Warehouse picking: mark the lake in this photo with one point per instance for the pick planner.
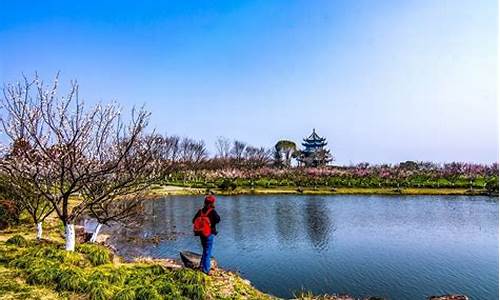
(399, 247)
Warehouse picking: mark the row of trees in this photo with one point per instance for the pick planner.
(405, 174)
(234, 154)
(190, 154)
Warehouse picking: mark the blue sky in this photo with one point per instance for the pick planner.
(383, 81)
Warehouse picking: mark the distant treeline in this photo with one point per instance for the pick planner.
(239, 164)
(445, 176)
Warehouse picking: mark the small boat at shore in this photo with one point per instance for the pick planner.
(192, 259)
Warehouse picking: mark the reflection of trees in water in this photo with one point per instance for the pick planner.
(317, 221)
(287, 221)
(153, 217)
(168, 218)
(236, 219)
(159, 217)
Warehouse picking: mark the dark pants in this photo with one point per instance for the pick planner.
(207, 244)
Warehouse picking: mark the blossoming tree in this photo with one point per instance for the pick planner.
(89, 156)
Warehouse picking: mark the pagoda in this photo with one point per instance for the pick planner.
(314, 153)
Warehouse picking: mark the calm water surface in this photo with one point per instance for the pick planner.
(399, 247)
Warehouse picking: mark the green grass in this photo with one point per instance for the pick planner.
(97, 255)
(44, 270)
(17, 240)
(14, 287)
(88, 271)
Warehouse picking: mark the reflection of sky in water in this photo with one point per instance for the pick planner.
(400, 247)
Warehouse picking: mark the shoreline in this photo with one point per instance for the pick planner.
(171, 190)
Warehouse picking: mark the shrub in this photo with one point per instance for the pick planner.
(227, 184)
(125, 294)
(99, 290)
(137, 276)
(110, 274)
(492, 185)
(41, 271)
(117, 276)
(17, 240)
(97, 255)
(73, 258)
(147, 293)
(193, 291)
(168, 289)
(157, 269)
(53, 252)
(71, 279)
(22, 262)
(8, 253)
(189, 276)
(192, 283)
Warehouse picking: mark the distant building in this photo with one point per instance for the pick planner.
(314, 153)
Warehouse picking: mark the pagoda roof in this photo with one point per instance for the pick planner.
(314, 138)
(314, 145)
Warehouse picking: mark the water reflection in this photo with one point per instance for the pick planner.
(236, 221)
(153, 213)
(288, 222)
(318, 223)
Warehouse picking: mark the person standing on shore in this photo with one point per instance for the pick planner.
(204, 226)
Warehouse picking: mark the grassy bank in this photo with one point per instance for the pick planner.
(185, 190)
(33, 269)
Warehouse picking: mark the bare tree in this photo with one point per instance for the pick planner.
(223, 146)
(200, 153)
(257, 157)
(74, 147)
(171, 146)
(263, 157)
(238, 150)
(193, 153)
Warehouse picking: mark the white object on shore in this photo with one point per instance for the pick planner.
(93, 239)
(39, 230)
(69, 231)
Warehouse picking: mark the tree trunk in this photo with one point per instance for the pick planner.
(69, 231)
(39, 230)
(93, 239)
